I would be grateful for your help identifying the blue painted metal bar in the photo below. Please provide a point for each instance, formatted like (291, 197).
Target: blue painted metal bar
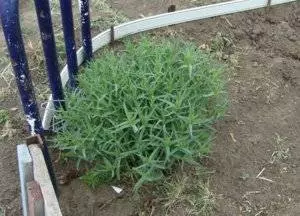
(9, 13)
(11, 27)
(68, 27)
(86, 29)
(47, 37)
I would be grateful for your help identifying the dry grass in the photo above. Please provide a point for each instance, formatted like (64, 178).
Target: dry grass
(103, 16)
(282, 152)
(190, 193)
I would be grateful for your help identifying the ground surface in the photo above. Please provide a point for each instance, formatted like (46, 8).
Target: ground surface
(259, 133)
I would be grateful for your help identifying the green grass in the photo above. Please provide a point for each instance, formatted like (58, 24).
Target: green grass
(142, 110)
(4, 116)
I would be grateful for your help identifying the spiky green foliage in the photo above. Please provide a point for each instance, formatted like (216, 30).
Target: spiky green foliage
(141, 110)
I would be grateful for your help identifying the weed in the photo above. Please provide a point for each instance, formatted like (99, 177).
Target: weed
(220, 45)
(7, 130)
(6, 77)
(282, 152)
(55, 7)
(191, 194)
(244, 176)
(103, 16)
(140, 111)
(4, 116)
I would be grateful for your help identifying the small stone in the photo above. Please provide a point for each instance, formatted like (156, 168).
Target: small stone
(14, 109)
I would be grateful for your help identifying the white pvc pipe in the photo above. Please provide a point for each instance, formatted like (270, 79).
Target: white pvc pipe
(25, 165)
(158, 21)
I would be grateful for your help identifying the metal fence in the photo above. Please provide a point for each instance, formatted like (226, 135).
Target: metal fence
(9, 12)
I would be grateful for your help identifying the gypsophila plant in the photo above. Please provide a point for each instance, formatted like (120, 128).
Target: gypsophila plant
(139, 111)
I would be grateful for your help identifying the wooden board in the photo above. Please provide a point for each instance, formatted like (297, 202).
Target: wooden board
(35, 199)
(41, 175)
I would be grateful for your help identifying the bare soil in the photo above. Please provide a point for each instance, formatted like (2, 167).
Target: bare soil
(259, 133)
(264, 108)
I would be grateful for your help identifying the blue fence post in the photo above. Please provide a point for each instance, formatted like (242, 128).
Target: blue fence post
(9, 13)
(86, 29)
(48, 41)
(12, 32)
(68, 27)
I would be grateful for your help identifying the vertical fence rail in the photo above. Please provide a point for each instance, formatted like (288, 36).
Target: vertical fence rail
(68, 28)
(9, 12)
(48, 41)
(86, 29)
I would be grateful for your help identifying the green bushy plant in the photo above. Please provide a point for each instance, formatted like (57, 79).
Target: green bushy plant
(139, 111)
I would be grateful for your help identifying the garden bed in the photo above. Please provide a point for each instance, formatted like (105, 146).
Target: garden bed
(254, 165)
(258, 133)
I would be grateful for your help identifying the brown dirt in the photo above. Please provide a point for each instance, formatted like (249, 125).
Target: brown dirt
(9, 182)
(264, 101)
(264, 93)
(140, 8)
